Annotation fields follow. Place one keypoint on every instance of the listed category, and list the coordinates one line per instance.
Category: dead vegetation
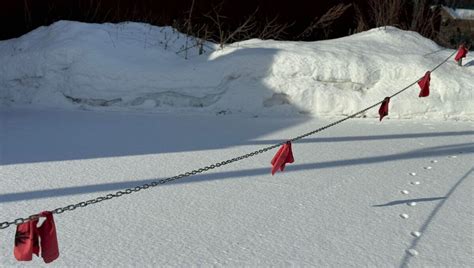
(214, 24)
(413, 15)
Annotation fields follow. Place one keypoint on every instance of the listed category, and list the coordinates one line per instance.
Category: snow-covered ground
(339, 205)
(91, 109)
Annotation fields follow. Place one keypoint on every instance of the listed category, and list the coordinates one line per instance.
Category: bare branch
(332, 15)
(362, 24)
(386, 12)
(325, 20)
(272, 30)
(216, 18)
(188, 25)
(244, 29)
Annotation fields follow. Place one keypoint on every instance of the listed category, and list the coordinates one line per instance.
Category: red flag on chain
(283, 156)
(383, 111)
(49, 239)
(462, 52)
(26, 241)
(424, 84)
(29, 239)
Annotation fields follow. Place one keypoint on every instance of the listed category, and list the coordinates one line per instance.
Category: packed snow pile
(138, 67)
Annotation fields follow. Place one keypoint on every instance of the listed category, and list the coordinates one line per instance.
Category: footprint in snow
(405, 192)
(416, 234)
(434, 161)
(415, 182)
(412, 173)
(428, 167)
(411, 204)
(412, 252)
(452, 156)
(404, 216)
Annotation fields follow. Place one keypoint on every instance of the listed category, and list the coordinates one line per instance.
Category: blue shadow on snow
(466, 148)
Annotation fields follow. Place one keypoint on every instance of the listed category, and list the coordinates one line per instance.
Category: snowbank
(138, 67)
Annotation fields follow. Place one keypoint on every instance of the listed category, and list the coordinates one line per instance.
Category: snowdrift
(138, 67)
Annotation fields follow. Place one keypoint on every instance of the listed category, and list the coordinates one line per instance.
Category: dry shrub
(325, 21)
(386, 12)
(405, 14)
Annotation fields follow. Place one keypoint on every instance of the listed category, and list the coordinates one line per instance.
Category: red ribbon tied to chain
(424, 84)
(462, 52)
(29, 239)
(282, 157)
(383, 111)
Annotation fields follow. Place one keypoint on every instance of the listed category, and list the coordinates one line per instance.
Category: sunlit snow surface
(359, 194)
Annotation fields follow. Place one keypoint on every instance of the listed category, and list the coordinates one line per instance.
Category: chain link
(4, 225)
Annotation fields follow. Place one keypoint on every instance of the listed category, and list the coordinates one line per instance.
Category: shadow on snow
(30, 136)
(467, 148)
(418, 200)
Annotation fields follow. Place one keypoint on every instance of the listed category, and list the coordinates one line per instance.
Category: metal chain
(145, 186)
(99, 199)
(432, 70)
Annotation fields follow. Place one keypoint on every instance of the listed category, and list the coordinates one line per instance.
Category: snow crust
(139, 67)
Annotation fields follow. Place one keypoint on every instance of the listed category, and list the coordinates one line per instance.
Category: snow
(136, 67)
(338, 205)
(91, 109)
(460, 14)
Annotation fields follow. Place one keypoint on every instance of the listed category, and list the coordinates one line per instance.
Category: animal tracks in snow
(415, 234)
(412, 203)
